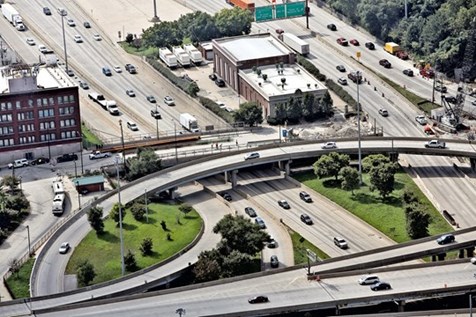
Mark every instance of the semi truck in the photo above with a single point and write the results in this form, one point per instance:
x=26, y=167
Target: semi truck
x=167, y=57
x=244, y=4
x=297, y=44
x=182, y=57
x=13, y=16
x=195, y=55
x=189, y=122
x=394, y=49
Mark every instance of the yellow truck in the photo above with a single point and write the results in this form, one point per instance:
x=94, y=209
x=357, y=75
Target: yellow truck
x=394, y=49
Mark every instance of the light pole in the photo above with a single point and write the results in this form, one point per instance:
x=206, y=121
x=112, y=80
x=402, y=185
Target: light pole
x=79, y=196
x=155, y=18
x=146, y=207
x=63, y=13
x=122, y=141
x=29, y=244
x=120, y=214
x=19, y=177
x=157, y=120
x=75, y=170
x=359, y=76
x=175, y=137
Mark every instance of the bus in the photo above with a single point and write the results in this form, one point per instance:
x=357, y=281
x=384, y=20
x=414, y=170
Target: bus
x=58, y=204
x=58, y=187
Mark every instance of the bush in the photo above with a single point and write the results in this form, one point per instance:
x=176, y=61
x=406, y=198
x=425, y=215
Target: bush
x=215, y=108
x=344, y=95
x=311, y=68
x=130, y=261
x=138, y=211
x=146, y=247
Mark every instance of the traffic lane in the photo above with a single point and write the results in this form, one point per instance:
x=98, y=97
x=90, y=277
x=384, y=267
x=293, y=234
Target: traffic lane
x=284, y=250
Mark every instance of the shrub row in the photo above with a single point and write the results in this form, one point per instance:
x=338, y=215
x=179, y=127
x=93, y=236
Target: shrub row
x=343, y=94
x=215, y=108
x=311, y=68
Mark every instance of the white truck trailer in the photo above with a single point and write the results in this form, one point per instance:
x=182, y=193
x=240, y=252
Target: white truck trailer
x=13, y=16
x=189, y=122
x=297, y=44
x=167, y=57
x=195, y=55
x=182, y=57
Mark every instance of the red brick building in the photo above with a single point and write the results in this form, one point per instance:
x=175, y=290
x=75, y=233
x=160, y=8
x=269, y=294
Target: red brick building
x=36, y=121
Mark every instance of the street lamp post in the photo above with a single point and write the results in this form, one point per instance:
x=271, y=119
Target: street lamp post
x=63, y=14
x=155, y=18
x=79, y=195
x=175, y=137
x=359, y=76
x=75, y=170
x=156, y=120
x=122, y=141
x=146, y=207
x=120, y=215
x=29, y=244
x=21, y=189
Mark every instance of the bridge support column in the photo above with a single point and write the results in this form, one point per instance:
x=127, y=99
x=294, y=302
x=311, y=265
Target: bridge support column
x=280, y=165
x=461, y=254
x=287, y=167
x=472, y=161
x=470, y=252
x=172, y=193
x=337, y=311
x=225, y=175
x=234, y=178
x=441, y=256
x=401, y=305
x=393, y=156
x=433, y=258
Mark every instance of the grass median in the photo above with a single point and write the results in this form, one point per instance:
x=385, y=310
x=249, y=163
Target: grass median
x=386, y=216
x=19, y=282
x=103, y=251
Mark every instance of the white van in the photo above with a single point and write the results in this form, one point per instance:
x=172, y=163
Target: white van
x=368, y=279
x=18, y=163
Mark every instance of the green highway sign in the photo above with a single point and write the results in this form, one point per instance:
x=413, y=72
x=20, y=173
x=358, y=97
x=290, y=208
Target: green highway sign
x=280, y=11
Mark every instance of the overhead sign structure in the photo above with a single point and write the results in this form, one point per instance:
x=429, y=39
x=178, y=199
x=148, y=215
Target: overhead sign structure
x=280, y=11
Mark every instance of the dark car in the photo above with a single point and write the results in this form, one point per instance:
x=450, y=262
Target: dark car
x=272, y=244
x=408, y=72
x=226, y=196
x=354, y=42
x=444, y=239
x=40, y=160
x=250, y=212
x=258, y=299
x=441, y=88
x=305, y=196
x=151, y=99
x=279, y=31
x=130, y=68
x=341, y=68
x=385, y=63
x=87, y=25
x=213, y=77
x=274, y=261
x=370, y=45
x=306, y=219
x=220, y=82
x=380, y=286
x=284, y=204
x=332, y=27
x=67, y=157
x=155, y=114
x=106, y=71
x=451, y=99
x=46, y=11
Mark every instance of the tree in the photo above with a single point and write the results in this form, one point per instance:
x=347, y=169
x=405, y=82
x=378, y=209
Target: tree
x=138, y=211
x=208, y=266
x=115, y=213
x=350, y=178
x=129, y=38
x=236, y=263
x=409, y=197
x=374, y=160
x=185, y=209
x=146, y=247
x=165, y=33
x=95, y=219
x=10, y=181
x=146, y=162
x=382, y=178
x=233, y=22
x=417, y=221
x=240, y=234
x=85, y=273
x=250, y=113
x=330, y=164
x=130, y=261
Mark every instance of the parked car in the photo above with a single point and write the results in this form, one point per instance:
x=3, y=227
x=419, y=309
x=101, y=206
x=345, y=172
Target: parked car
x=213, y=76
x=274, y=262
x=329, y=145
x=332, y=27
x=151, y=99
x=250, y=212
x=354, y=42
x=18, y=163
x=441, y=88
x=305, y=196
x=445, y=239
x=341, y=68
x=451, y=99
x=408, y=72
x=132, y=126
x=220, y=82
x=252, y=155
x=342, y=41
x=383, y=112
x=380, y=286
x=40, y=160
x=70, y=72
x=98, y=155
x=63, y=249
x=385, y=63
x=342, y=81
x=340, y=242
x=67, y=157
x=260, y=222
x=283, y=204
x=368, y=279
x=169, y=101
x=306, y=219
x=258, y=299
x=370, y=45
x=421, y=119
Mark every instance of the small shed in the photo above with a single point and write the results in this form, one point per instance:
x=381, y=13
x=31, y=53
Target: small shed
x=89, y=184
x=206, y=48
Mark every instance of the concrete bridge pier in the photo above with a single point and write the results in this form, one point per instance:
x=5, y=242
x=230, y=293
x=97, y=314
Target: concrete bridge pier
x=470, y=252
x=401, y=305
x=286, y=166
x=234, y=178
x=337, y=311
x=172, y=192
x=226, y=176
x=441, y=256
x=472, y=161
x=461, y=254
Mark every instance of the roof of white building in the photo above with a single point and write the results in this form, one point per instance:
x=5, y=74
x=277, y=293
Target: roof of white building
x=246, y=48
x=45, y=78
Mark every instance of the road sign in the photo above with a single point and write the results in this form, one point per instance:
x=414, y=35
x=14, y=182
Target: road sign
x=280, y=11
x=311, y=255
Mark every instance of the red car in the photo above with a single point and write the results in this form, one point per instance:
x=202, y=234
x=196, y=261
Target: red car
x=354, y=42
x=342, y=41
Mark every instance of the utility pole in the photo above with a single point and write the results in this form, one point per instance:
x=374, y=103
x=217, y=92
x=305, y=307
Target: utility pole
x=307, y=14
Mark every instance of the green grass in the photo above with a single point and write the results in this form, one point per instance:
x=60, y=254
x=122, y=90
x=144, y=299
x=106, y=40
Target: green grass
x=299, y=249
x=89, y=137
x=150, y=51
x=387, y=216
x=106, y=248
x=19, y=283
